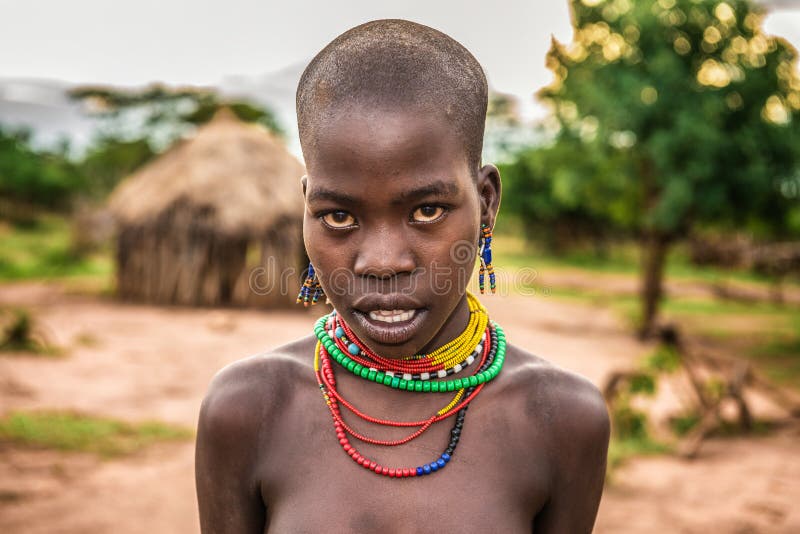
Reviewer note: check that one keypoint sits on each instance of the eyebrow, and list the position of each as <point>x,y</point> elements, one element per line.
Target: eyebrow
<point>435,188</point>
<point>320,193</point>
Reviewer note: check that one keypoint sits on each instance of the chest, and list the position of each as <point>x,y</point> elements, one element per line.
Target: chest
<point>496,481</point>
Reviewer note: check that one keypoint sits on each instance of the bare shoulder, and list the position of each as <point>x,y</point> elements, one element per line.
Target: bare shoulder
<point>565,433</point>
<point>248,393</point>
<point>240,419</point>
<point>566,404</point>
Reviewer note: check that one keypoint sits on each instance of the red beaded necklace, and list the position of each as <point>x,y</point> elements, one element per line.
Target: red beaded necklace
<point>327,382</point>
<point>324,370</point>
<point>368,358</point>
<point>373,361</point>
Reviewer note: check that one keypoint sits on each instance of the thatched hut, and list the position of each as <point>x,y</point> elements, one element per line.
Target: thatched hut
<point>216,220</point>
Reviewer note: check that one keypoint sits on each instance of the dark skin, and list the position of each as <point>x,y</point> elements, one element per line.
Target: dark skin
<point>384,206</point>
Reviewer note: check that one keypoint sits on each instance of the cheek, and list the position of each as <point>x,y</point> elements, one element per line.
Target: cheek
<point>330,257</point>
<point>464,230</point>
<point>314,241</point>
<point>309,239</point>
<point>452,258</point>
<point>462,238</point>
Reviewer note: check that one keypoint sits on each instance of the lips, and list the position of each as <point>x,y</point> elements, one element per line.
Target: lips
<point>389,319</point>
<point>390,333</point>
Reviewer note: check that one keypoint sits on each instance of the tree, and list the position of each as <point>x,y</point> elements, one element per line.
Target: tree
<point>546,187</point>
<point>110,159</point>
<point>163,113</point>
<point>696,107</point>
<point>139,123</point>
<point>34,179</point>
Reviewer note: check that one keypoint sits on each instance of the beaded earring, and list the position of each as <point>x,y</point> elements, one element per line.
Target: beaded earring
<point>485,255</point>
<point>311,290</point>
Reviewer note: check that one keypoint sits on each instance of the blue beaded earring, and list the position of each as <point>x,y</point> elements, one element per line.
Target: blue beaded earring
<point>485,255</point>
<point>311,290</point>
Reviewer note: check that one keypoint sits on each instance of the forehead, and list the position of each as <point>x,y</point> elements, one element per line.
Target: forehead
<point>387,145</point>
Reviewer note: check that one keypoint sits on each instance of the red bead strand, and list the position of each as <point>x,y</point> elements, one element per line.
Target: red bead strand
<point>326,378</point>
<point>330,383</point>
<point>380,363</point>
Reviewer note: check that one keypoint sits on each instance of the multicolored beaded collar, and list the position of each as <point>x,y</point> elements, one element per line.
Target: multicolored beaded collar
<point>482,340</point>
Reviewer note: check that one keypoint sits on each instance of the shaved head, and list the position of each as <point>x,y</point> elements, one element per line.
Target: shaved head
<point>395,65</point>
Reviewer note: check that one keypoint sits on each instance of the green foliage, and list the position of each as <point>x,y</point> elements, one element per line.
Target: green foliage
<point>664,359</point>
<point>43,249</point>
<point>68,431</point>
<point>714,388</point>
<point>620,257</point>
<point>684,423</point>
<point>139,123</point>
<point>670,114</point>
<point>631,436</point>
<point>629,423</point>
<point>18,334</point>
<point>686,107</point>
<point>777,352</point>
<point>643,384</point>
<point>29,177</point>
<point>21,332</point>
<point>548,188</point>
<point>160,114</point>
<point>620,450</point>
<point>110,159</point>
<point>246,111</point>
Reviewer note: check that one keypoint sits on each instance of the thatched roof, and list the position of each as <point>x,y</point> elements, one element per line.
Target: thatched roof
<point>240,170</point>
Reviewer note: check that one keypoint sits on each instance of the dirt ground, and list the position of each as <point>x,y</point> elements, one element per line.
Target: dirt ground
<point>139,362</point>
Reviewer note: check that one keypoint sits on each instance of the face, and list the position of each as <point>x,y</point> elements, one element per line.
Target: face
<point>391,225</point>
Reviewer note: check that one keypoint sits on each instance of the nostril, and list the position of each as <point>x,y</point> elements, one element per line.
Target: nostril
<point>384,264</point>
<point>379,272</point>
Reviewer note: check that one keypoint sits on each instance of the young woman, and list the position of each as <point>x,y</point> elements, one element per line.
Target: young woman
<point>406,410</point>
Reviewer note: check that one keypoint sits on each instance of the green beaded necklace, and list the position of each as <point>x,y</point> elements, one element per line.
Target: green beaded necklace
<point>379,377</point>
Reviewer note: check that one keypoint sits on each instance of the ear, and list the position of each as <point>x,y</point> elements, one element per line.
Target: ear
<point>304,182</point>
<point>489,190</point>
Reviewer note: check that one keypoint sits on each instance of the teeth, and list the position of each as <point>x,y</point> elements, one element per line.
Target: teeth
<point>392,316</point>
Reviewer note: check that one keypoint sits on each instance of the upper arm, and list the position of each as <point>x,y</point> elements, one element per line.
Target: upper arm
<point>580,447</point>
<point>228,492</point>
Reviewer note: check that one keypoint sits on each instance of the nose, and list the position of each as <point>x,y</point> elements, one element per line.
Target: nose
<point>384,253</point>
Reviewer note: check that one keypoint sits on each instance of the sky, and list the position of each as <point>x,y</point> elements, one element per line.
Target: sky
<point>200,42</point>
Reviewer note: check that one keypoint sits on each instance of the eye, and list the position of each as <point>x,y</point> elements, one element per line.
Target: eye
<point>338,219</point>
<point>427,213</point>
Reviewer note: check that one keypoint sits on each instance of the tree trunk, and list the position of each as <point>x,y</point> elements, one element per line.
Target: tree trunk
<point>654,255</point>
